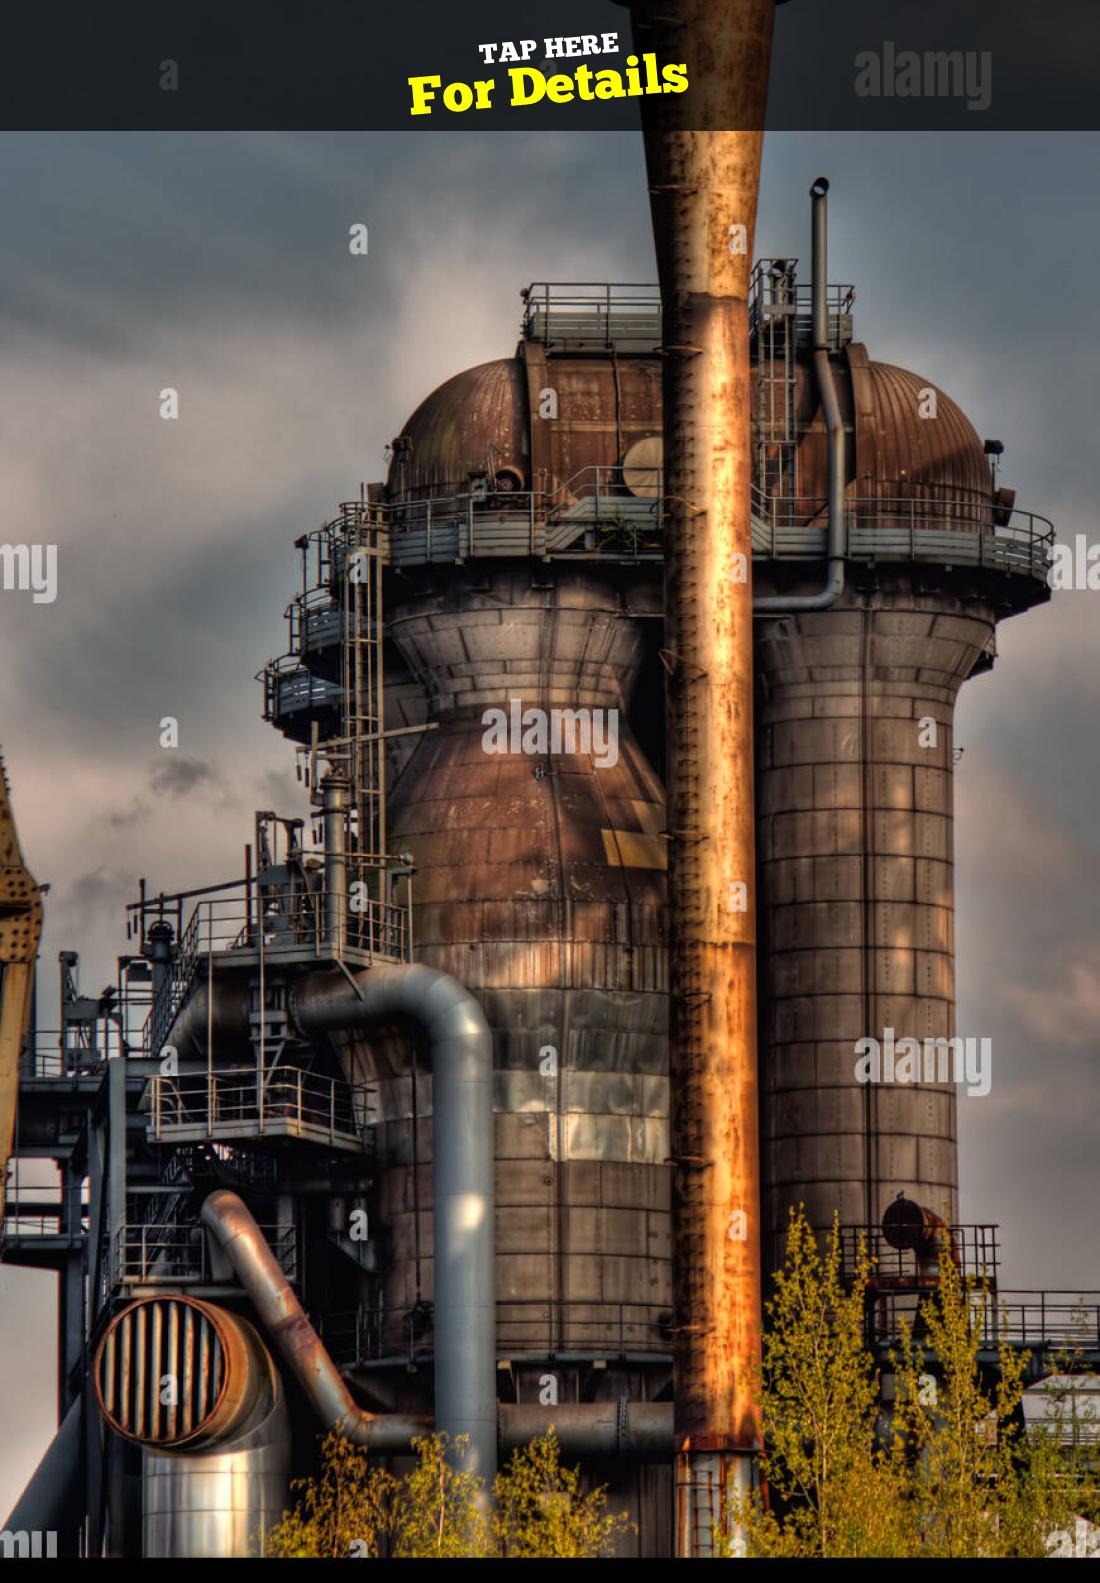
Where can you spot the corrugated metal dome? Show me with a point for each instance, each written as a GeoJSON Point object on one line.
{"type": "Point", "coordinates": [894, 452]}
{"type": "Point", "coordinates": [475, 420]}
{"type": "Point", "coordinates": [896, 443]}
{"type": "Point", "coordinates": [480, 420]}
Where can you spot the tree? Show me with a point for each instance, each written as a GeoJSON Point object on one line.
{"type": "Point", "coordinates": [833, 1490]}
{"type": "Point", "coordinates": [347, 1510]}
{"type": "Point", "coordinates": [352, 1508]}
{"type": "Point", "coordinates": [437, 1510]}
{"type": "Point", "coordinates": [951, 1469]}
{"type": "Point", "coordinates": [982, 1482]}
{"type": "Point", "coordinates": [541, 1509]}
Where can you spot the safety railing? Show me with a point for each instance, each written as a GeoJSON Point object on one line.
{"type": "Point", "coordinates": [594, 513]}
{"type": "Point", "coordinates": [776, 293]}
{"type": "Point", "coordinates": [1064, 1323]}
{"type": "Point", "coordinates": [290, 688]}
{"type": "Point", "coordinates": [33, 1211]}
{"type": "Point", "coordinates": [296, 917]}
{"type": "Point", "coordinates": [972, 1249]}
{"type": "Point", "coordinates": [924, 523]}
{"type": "Point", "coordinates": [465, 521]}
{"type": "Point", "coordinates": [590, 314]}
{"type": "Point", "coordinates": [179, 1255]}
{"type": "Point", "coordinates": [45, 1055]}
{"type": "Point", "coordinates": [242, 1102]}
{"type": "Point", "coordinates": [525, 1327]}
{"type": "Point", "coordinates": [291, 919]}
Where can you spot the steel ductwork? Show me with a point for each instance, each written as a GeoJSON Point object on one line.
{"type": "Point", "coordinates": [195, 1387]}
{"type": "Point", "coordinates": [235, 1231]}
{"type": "Point", "coordinates": [640, 1431]}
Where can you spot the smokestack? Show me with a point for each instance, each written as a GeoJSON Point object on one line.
{"type": "Point", "coordinates": [703, 190]}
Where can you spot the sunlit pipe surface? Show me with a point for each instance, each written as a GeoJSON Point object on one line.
{"type": "Point", "coordinates": [703, 189]}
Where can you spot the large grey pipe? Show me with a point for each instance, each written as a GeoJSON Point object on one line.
{"type": "Point", "coordinates": [460, 1049]}
{"type": "Point", "coordinates": [834, 422]}
{"type": "Point", "coordinates": [637, 1431]}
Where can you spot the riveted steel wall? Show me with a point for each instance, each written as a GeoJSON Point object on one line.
{"type": "Point", "coordinates": [540, 886]}
{"type": "Point", "coordinates": [855, 851]}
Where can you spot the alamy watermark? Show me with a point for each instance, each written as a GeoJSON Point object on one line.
{"type": "Point", "coordinates": [539, 732]}
{"type": "Point", "coordinates": [23, 1545]}
{"type": "Point", "coordinates": [964, 1061]}
{"type": "Point", "coordinates": [30, 568]}
{"type": "Point", "coordinates": [892, 73]}
{"type": "Point", "coordinates": [1074, 566]}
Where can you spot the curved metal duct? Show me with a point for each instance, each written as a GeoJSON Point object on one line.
{"type": "Point", "coordinates": [228, 1218]}
{"type": "Point", "coordinates": [461, 1052]}
{"type": "Point", "coordinates": [639, 1430]}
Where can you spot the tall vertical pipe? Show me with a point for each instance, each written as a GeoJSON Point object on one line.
{"type": "Point", "coordinates": [464, 1269]}
{"type": "Point", "coordinates": [836, 539]}
{"type": "Point", "coordinates": [703, 190]}
{"type": "Point", "coordinates": [334, 801]}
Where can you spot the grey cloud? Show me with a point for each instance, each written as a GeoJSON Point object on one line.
{"type": "Point", "coordinates": [177, 774]}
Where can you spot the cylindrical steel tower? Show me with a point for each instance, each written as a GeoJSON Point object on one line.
{"type": "Point", "coordinates": [855, 760]}
{"type": "Point", "coordinates": [540, 865]}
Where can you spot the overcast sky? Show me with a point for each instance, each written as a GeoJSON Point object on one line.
{"type": "Point", "coordinates": [219, 265]}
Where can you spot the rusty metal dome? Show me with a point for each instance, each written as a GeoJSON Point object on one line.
{"type": "Point", "coordinates": [895, 443]}
{"type": "Point", "coordinates": [489, 420]}
{"type": "Point", "coordinates": [476, 421]}
{"type": "Point", "coordinates": [480, 422]}
{"type": "Point", "coordinates": [898, 450]}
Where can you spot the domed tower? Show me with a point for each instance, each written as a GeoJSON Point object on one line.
{"type": "Point", "coordinates": [857, 676]}
{"type": "Point", "coordinates": [525, 590]}
{"type": "Point", "coordinates": [514, 603]}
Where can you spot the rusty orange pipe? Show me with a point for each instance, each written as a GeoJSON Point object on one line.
{"type": "Point", "coordinates": [703, 159]}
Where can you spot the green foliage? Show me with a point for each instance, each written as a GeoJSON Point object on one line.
{"type": "Point", "coordinates": [982, 1483]}
{"type": "Point", "coordinates": [834, 1493]}
{"type": "Point", "coordinates": [541, 1509]}
{"type": "Point", "coordinates": [347, 1510]}
{"type": "Point", "coordinates": [954, 1472]}
{"type": "Point", "coordinates": [438, 1509]}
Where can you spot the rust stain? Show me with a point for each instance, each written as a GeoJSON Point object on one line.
{"type": "Point", "coordinates": [702, 183]}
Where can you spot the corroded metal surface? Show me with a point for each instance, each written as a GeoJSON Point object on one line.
{"type": "Point", "coordinates": [703, 189]}
{"type": "Point", "coordinates": [488, 418]}
{"type": "Point", "coordinates": [604, 406]}
{"type": "Point", "coordinates": [179, 1373]}
{"type": "Point", "coordinates": [477, 419]}
{"type": "Point", "coordinates": [541, 885]}
{"type": "Point", "coordinates": [857, 893]}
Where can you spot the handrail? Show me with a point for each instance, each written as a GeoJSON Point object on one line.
{"type": "Point", "coordinates": [543, 1326]}
{"type": "Point", "coordinates": [221, 923]}
{"type": "Point", "coordinates": [232, 1096]}
{"type": "Point", "coordinates": [922, 505]}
